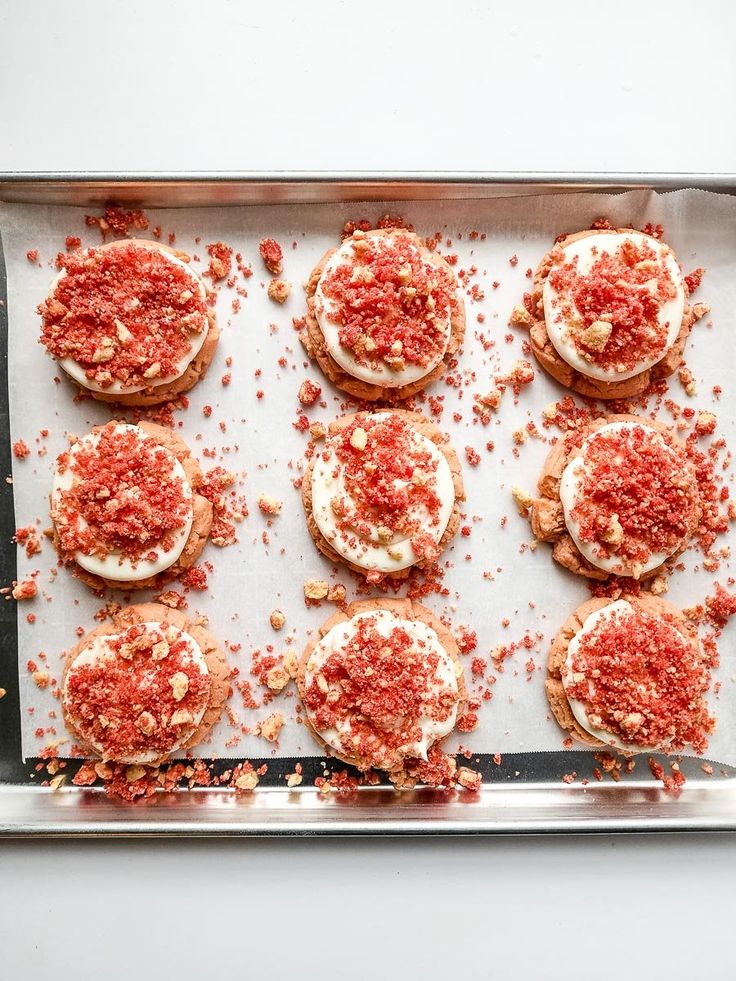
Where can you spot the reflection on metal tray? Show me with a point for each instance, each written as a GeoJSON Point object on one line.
{"type": "Point", "coordinates": [525, 793]}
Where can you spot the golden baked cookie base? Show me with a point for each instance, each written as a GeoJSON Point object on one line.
{"type": "Point", "coordinates": [547, 356]}
{"type": "Point", "coordinates": [314, 341]}
{"type": "Point", "coordinates": [425, 428]}
{"type": "Point", "coordinates": [198, 535]}
{"type": "Point", "coordinates": [556, 694]}
{"type": "Point", "coordinates": [219, 672]}
{"type": "Point", "coordinates": [546, 513]}
{"type": "Point", "coordinates": [196, 369]}
{"type": "Point", "coordinates": [408, 610]}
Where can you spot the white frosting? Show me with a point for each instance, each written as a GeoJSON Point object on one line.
{"type": "Point", "coordinates": [328, 480]}
{"type": "Point", "coordinates": [100, 650]}
{"type": "Point", "coordinates": [619, 608]}
{"type": "Point", "coordinates": [196, 340]}
{"type": "Point", "coordinates": [385, 622]}
{"type": "Point", "coordinates": [570, 492]}
{"type": "Point", "coordinates": [375, 373]}
{"type": "Point", "coordinates": [115, 566]}
{"type": "Point", "coordinates": [669, 317]}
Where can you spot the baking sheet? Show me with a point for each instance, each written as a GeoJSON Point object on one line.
{"type": "Point", "coordinates": [489, 579]}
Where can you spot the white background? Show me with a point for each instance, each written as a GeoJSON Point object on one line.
{"type": "Point", "coordinates": [374, 85]}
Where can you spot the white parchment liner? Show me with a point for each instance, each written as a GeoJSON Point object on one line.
{"type": "Point", "coordinates": [252, 578]}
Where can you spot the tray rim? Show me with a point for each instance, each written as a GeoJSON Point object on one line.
{"type": "Point", "coordinates": [621, 178]}
{"type": "Point", "coordinates": [598, 809]}
{"type": "Point", "coordinates": [30, 811]}
{"type": "Point", "coordinates": [314, 186]}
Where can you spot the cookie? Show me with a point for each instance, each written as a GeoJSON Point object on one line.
{"type": "Point", "coordinates": [382, 686]}
{"type": "Point", "coordinates": [125, 507]}
{"type": "Point", "coordinates": [129, 322]}
{"type": "Point", "coordinates": [618, 497]}
{"type": "Point", "coordinates": [384, 315]}
{"type": "Point", "coordinates": [145, 684]}
{"type": "Point", "coordinates": [609, 313]}
{"type": "Point", "coordinates": [630, 674]}
{"type": "Point", "coordinates": [383, 492]}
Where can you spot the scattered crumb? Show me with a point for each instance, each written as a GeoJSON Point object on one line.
{"type": "Point", "coordinates": [271, 254]}
{"type": "Point", "coordinates": [316, 589]}
{"type": "Point", "coordinates": [25, 590]}
{"type": "Point", "coordinates": [277, 619]}
{"type": "Point", "coordinates": [272, 726]}
{"type": "Point", "coordinates": [269, 505]}
{"type": "Point", "coordinates": [309, 392]}
{"type": "Point", "coordinates": [279, 290]}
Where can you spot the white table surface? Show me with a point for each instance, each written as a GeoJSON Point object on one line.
{"type": "Point", "coordinates": [291, 85]}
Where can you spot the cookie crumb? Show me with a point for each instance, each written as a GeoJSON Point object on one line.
{"type": "Point", "coordinates": [700, 310]}
{"type": "Point", "coordinates": [272, 726]}
{"type": "Point", "coordinates": [337, 593]}
{"type": "Point", "coordinates": [522, 373]}
{"type": "Point", "coordinates": [316, 589]}
{"type": "Point", "coordinates": [658, 585]}
{"type": "Point", "coordinates": [220, 260]}
{"type": "Point", "coordinates": [523, 500]}
{"type": "Point", "coordinates": [21, 449]}
{"type": "Point", "coordinates": [269, 505]}
{"type": "Point", "coordinates": [25, 590]}
{"type": "Point", "coordinates": [687, 380]}
{"type": "Point", "coordinates": [247, 781]}
{"type": "Point", "coordinates": [291, 663]}
{"type": "Point", "coordinates": [277, 678]}
{"type": "Point", "coordinates": [469, 779]}
{"type": "Point", "coordinates": [484, 405]}
{"type": "Point", "coordinates": [279, 290]}
{"type": "Point", "coordinates": [309, 392]}
{"type": "Point", "coordinates": [705, 424]}
{"type": "Point", "coordinates": [277, 619]}
{"type": "Point", "coordinates": [271, 254]}
{"type": "Point", "coordinates": [520, 317]}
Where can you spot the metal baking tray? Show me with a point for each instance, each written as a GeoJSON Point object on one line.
{"type": "Point", "coordinates": [526, 793]}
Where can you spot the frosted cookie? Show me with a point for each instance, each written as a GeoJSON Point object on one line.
{"type": "Point", "coordinates": [382, 686]}
{"type": "Point", "coordinates": [125, 506]}
{"type": "Point", "coordinates": [630, 674]}
{"type": "Point", "coordinates": [609, 312]}
{"type": "Point", "coordinates": [383, 492]}
{"type": "Point", "coordinates": [129, 322]}
{"type": "Point", "coordinates": [384, 315]}
{"type": "Point", "coordinates": [618, 497]}
{"type": "Point", "coordinates": [144, 685]}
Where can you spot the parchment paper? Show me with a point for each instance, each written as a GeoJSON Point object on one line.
{"type": "Point", "coordinates": [490, 578]}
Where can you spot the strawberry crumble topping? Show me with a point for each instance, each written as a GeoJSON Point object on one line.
{"type": "Point", "coordinates": [141, 696]}
{"type": "Point", "coordinates": [379, 722]}
{"type": "Point", "coordinates": [720, 606]}
{"type": "Point", "coordinates": [272, 255]}
{"type": "Point", "coordinates": [613, 310]}
{"type": "Point", "coordinates": [390, 483]}
{"type": "Point", "coordinates": [127, 315]}
{"type": "Point", "coordinates": [220, 260]}
{"type": "Point", "coordinates": [118, 220]}
{"type": "Point", "coordinates": [125, 496]}
{"type": "Point", "coordinates": [389, 302]}
{"type": "Point", "coordinates": [228, 506]}
{"type": "Point", "coordinates": [642, 681]}
{"type": "Point", "coordinates": [21, 449]}
{"type": "Point", "coordinates": [637, 495]}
